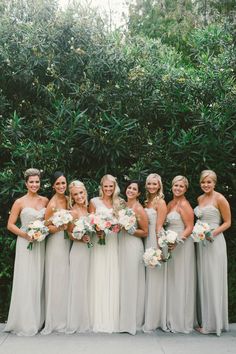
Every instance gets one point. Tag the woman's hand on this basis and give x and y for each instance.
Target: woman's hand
(63, 227)
(100, 233)
(86, 239)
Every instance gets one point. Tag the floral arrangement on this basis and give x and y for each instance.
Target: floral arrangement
(103, 220)
(166, 238)
(127, 219)
(202, 232)
(61, 217)
(152, 257)
(37, 231)
(83, 226)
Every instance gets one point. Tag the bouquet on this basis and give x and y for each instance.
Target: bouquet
(103, 220)
(152, 257)
(167, 237)
(127, 219)
(201, 232)
(83, 227)
(37, 231)
(61, 217)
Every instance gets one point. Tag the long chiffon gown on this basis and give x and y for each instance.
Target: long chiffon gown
(132, 282)
(26, 314)
(104, 282)
(181, 280)
(56, 282)
(212, 276)
(78, 297)
(156, 282)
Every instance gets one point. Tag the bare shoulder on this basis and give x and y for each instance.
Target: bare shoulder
(138, 208)
(220, 199)
(44, 200)
(161, 202)
(185, 204)
(51, 204)
(19, 203)
(200, 197)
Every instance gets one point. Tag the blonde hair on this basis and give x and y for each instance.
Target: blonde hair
(31, 172)
(77, 184)
(115, 196)
(160, 194)
(180, 178)
(210, 173)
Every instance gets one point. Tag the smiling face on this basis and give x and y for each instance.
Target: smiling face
(179, 188)
(108, 188)
(78, 195)
(132, 191)
(207, 184)
(33, 184)
(152, 185)
(60, 185)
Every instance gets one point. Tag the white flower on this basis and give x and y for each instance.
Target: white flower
(152, 257)
(171, 236)
(126, 218)
(61, 217)
(200, 231)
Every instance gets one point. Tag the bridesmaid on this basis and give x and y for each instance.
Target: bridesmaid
(104, 269)
(156, 278)
(56, 262)
(181, 268)
(26, 314)
(132, 270)
(78, 307)
(213, 209)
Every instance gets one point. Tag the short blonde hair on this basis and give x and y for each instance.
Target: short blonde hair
(180, 178)
(77, 184)
(160, 194)
(31, 172)
(208, 173)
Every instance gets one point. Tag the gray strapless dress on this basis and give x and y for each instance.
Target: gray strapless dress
(56, 282)
(26, 313)
(212, 276)
(156, 281)
(181, 281)
(104, 282)
(132, 282)
(78, 297)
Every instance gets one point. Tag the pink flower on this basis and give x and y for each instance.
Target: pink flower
(115, 228)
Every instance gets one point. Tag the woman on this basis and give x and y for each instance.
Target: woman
(26, 314)
(56, 261)
(78, 307)
(213, 209)
(181, 268)
(156, 278)
(104, 270)
(132, 271)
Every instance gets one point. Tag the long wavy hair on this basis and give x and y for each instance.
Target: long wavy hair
(77, 184)
(115, 199)
(159, 195)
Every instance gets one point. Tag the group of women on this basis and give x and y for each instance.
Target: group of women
(62, 285)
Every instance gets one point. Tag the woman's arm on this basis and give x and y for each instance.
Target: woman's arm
(161, 215)
(142, 219)
(224, 209)
(187, 215)
(91, 208)
(11, 224)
